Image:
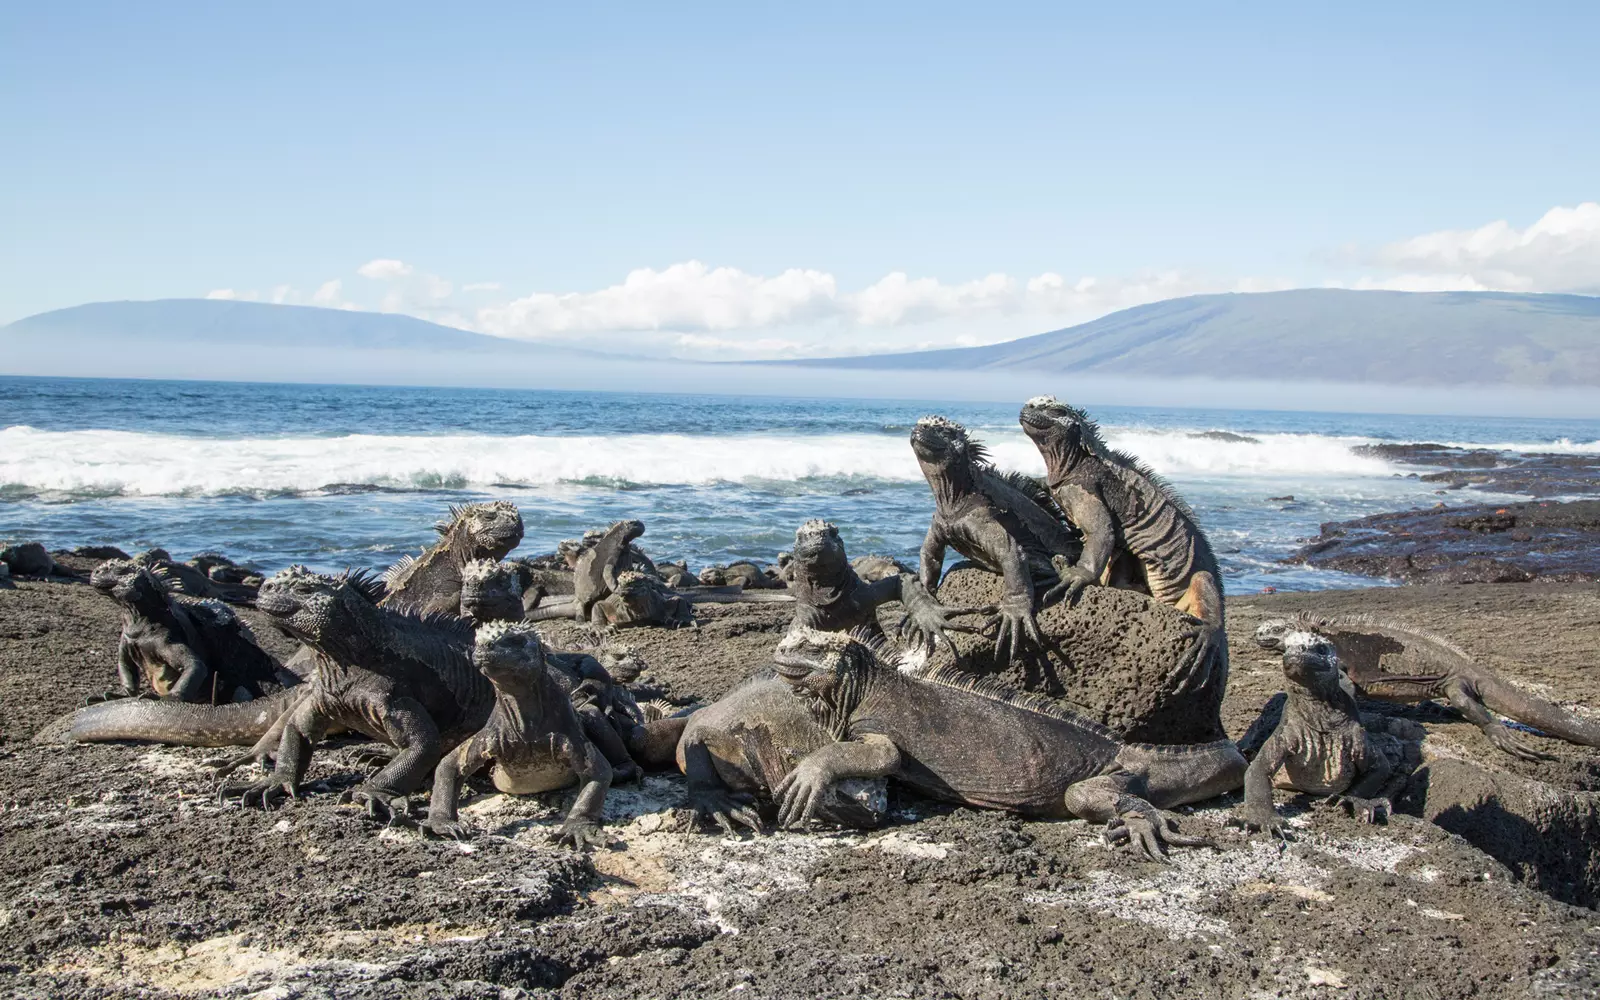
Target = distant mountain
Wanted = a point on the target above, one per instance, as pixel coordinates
(225, 323)
(1329, 335)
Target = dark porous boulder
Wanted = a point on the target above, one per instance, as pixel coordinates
(1121, 651)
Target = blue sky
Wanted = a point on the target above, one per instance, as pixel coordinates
(766, 173)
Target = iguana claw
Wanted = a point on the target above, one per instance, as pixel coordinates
(1365, 810)
(1260, 820)
(728, 810)
(450, 829)
(260, 794)
(1074, 579)
(580, 834)
(380, 803)
(1503, 738)
(1147, 831)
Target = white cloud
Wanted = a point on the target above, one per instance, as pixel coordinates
(1558, 253)
(384, 269)
(283, 293)
(222, 293)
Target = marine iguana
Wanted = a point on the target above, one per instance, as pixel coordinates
(959, 739)
(1390, 661)
(1138, 533)
(431, 583)
(1321, 746)
(491, 591)
(737, 749)
(831, 597)
(532, 736)
(183, 648)
(183, 578)
(1004, 522)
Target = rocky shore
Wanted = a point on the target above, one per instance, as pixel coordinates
(120, 875)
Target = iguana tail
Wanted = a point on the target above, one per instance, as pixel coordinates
(241, 723)
(1516, 704)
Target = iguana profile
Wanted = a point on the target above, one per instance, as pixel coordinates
(1137, 531)
(532, 737)
(957, 739)
(431, 582)
(181, 647)
(1004, 522)
(831, 597)
(1321, 746)
(1390, 661)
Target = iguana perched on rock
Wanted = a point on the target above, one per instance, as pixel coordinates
(1138, 533)
(1321, 746)
(959, 739)
(183, 578)
(640, 599)
(182, 647)
(831, 597)
(532, 737)
(431, 582)
(1005, 522)
(1394, 662)
(735, 751)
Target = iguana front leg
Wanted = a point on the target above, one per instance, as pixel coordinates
(803, 790)
(930, 561)
(1099, 529)
(457, 766)
(582, 829)
(410, 728)
(1364, 800)
(1464, 699)
(128, 674)
(1115, 799)
(194, 678)
(1257, 812)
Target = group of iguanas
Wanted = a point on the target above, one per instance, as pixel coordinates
(1100, 567)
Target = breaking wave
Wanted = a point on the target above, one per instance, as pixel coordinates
(128, 463)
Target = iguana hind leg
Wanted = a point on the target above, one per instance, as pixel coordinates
(1130, 820)
(1464, 698)
(411, 729)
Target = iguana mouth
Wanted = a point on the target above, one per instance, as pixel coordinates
(792, 667)
(1037, 418)
(276, 604)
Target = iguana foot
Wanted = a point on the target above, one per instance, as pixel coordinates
(800, 793)
(221, 767)
(1365, 810)
(375, 755)
(1506, 740)
(380, 803)
(1193, 668)
(623, 773)
(580, 834)
(260, 794)
(728, 810)
(927, 622)
(1147, 831)
(1074, 579)
(449, 829)
(1264, 820)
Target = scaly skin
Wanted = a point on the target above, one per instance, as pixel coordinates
(431, 582)
(955, 739)
(1320, 745)
(1137, 532)
(1390, 661)
(1001, 522)
(831, 597)
(181, 647)
(532, 737)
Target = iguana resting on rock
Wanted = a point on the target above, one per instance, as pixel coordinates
(27, 559)
(1389, 661)
(738, 749)
(1138, 533)
(1321, 746)
(532, 737)
(1005, 522)
(831, 597)
(431, 583)
(491, 591)
(183, 578)
(182, 647)
(962, 740)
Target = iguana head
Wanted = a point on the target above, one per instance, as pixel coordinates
(491, 591)
(1058, 430)
(818, 549)
(484, 530)
(128, 582)
(831, 670)
(311, 606)
(942, 442)
(1310, 660)
(638, 600)
(511, 655)
(1272, 633)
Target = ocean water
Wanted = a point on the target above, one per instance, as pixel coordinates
(337, 476)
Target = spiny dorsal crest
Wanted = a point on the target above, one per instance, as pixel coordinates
(364, 583)
(481, 570)
(1327, 625)
(1095, 443)
(494, 632)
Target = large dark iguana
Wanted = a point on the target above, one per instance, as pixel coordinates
(491, 591)
(958, 739)
(1322, 747)
(1005, 522)
(831, 597)
(1394, 662)
(735, 751)
(182, 647)
(430, 583)
(532, 736)
(1137, 531)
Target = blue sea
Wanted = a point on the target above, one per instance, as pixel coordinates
(336, 476)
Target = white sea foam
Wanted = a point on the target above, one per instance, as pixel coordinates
(107, 462)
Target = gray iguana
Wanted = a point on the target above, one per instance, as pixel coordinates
(831, 597)
(1390, 661)
(491, 591)
(958, 739)
(430, 583)
(1004, 522)
(736, 750)
(1322, 747)
(532, 737)
(1138, 533)
(182, 647)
